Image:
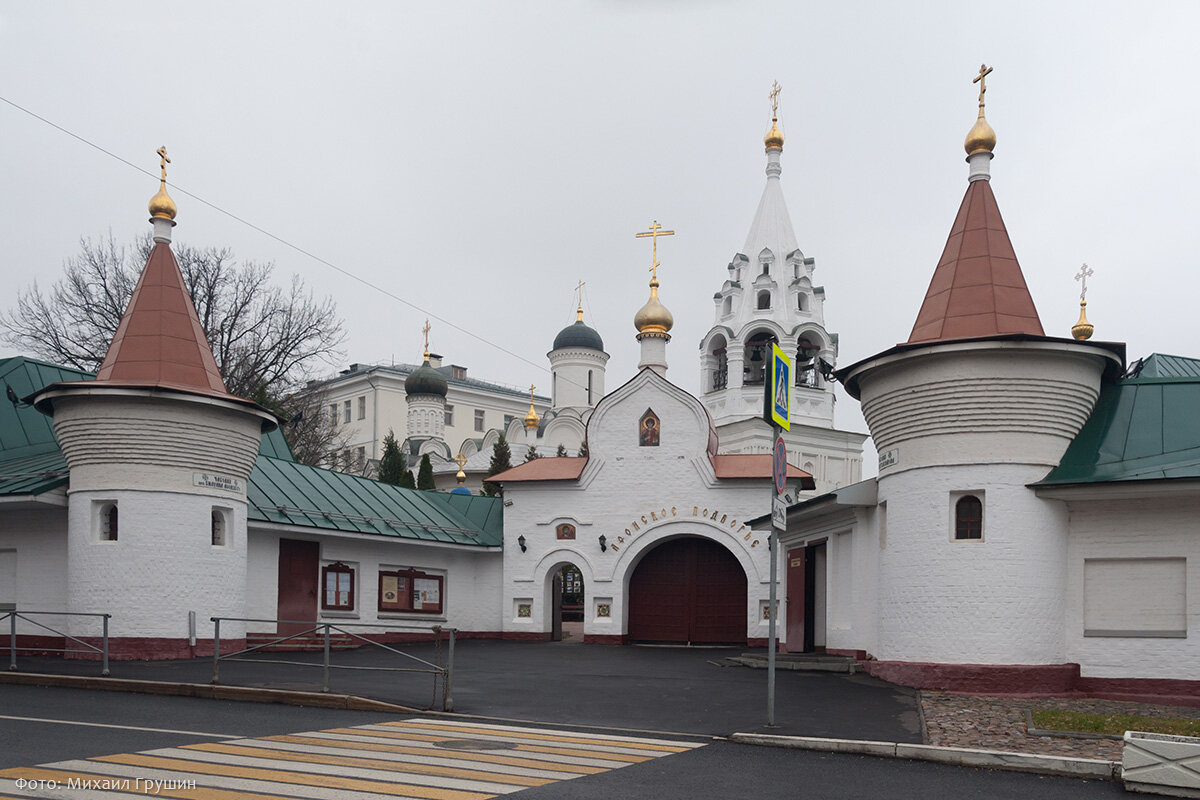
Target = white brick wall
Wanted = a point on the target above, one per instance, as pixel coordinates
(1134, 528)
(39, 539)
(162, 565)
(471, 585)
(1000, 600)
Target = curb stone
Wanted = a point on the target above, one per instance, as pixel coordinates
(246, 694)
(959, 756)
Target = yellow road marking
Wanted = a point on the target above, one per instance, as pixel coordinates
(603, 755)
(199, 793)
(485, 758)
(369, 763)
(666, 748)
(600, 754)
(304, 779)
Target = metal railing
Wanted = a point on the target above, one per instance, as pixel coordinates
(16, 614)
(324, 630)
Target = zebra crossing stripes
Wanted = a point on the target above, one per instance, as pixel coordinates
(421, 759)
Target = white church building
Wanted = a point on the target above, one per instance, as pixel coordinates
(1032, 527)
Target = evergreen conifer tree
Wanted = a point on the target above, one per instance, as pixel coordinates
(531, 454)
(392, 467)
(501, 460)
(407, 481)
(425, 473)
(583, 451)
(561, 451)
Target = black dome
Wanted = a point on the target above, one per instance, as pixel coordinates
(425, 380)
(579, 335)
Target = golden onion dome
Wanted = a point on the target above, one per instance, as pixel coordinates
(981, 138)
(774, 137)
(1082, 330)
(654, 316)
(531, 418)
(161, 205)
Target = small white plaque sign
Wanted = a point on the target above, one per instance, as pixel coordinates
(889, 458)
(211, 480)
(779, 512)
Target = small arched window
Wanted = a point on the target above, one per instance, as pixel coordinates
(968, 518)
(727, 308)
(800, 302)
(218, 527)
(764, 299)
(108, 522)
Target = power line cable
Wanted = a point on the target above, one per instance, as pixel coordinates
(282, 241)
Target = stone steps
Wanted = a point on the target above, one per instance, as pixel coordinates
(807, 662)
(301, 644)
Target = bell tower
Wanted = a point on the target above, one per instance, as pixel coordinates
(769, 297)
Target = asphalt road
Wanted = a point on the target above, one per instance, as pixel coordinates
(716, 769)
(646, 688)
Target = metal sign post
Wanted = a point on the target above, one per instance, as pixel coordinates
(777, 411)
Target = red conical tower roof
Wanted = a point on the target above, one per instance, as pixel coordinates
(160, 341)
(977, 289)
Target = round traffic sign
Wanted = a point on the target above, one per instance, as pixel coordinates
(779, 466)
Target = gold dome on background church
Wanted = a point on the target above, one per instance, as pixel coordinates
(654, 316)
(531, 416)
(161, 205)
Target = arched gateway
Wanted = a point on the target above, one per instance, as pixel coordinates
(689, 590)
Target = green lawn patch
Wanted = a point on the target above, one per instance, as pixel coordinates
(1053, 719)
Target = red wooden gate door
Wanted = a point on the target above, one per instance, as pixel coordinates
(795, 601)
(688, 591)
(297, 583)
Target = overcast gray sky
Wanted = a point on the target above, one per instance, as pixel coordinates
(478, 159)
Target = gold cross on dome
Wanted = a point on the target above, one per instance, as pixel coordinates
(531, 388)
(579, 290)
(1085, 272)
(774, 95)
(425, 331)
(163, 161)
(981, 79)
(461, 460)
(654, 232)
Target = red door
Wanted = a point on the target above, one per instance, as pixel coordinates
(297, 584)
(689, 591)
(795, 601)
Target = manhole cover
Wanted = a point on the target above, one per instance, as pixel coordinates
(472, 744)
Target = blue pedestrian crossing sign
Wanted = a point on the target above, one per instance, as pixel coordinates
(780, 396)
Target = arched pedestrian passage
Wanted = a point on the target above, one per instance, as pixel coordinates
(689, 590)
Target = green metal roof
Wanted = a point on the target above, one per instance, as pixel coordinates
(1160, 365)
(24, 430)
(275, 445)
(281, 490)
(285, 492)
(30, 461)
(1144, 428)
(32, 474)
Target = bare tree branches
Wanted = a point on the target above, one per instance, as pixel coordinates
(267, 340)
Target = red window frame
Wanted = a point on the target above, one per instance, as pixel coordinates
(412, 592)
(343, 600)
